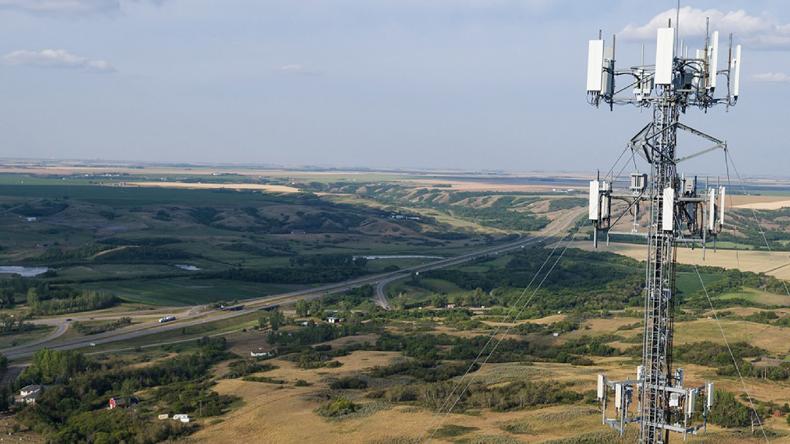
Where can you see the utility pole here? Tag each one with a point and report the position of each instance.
(679, 213)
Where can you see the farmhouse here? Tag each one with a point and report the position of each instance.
(122, 402)
(29, 394)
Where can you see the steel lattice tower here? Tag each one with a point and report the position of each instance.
(679, 213)
(660, 280)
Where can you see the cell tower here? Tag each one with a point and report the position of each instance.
(679, 213)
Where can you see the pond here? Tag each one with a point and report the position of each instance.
(23, 271)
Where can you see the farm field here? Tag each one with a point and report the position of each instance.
(775, 263)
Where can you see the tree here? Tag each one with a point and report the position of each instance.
(32, 298)
(5, 397)
(439, 300)
(302, 308)
(316, 307)
(276, 319)
(53, 366)
(727, 411)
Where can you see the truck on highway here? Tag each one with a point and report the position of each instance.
(168, 318)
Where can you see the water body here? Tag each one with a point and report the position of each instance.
(188, 267)
(23, 271)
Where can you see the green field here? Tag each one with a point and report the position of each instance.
(185, 291)
(12, 340)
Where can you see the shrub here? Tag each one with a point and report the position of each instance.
(337, 407)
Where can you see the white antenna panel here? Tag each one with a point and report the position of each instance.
(736, 87)
(594, 65)
(618, 396)
(601, 385)
(690, 401)
(711, 209)
(665, 53)
(594, 205)
(668, 220)
(709, 395)
(714, 60)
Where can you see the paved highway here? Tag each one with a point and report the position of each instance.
(202, 314)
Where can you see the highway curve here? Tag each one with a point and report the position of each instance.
(201, 314)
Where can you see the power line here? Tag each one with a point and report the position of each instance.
(729, 349)
(507, 331)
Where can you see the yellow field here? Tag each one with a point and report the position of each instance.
(775, 263)
(215, 186)
(276, 414)
(759, 202)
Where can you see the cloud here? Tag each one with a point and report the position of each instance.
(772, 77)
(298, 69)
(753, 31)
(56, 58)
(69, 7)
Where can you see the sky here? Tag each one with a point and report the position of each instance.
(450, 84)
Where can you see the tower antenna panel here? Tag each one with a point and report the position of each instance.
(595, 66)
(714, 60)
(736, 84)
(665, 49)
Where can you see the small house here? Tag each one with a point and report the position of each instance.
(264, 354)
(122, 402)
(29, 394)
(334, 320)
(183, 417)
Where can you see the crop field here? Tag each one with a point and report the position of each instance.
(775, 263)
(185, 291)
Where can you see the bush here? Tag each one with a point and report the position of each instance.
(337, 407)
(88, 329)
(728, 412)
(349, 382)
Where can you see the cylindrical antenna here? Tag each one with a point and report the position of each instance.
(614, 41)
(643, 54)
(707, 45)
(600, 34)
(677, 26)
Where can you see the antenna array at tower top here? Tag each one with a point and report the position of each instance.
(694, 78)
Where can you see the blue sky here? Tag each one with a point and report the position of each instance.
(467, 84)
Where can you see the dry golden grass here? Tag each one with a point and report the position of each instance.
(482, 185)
(215, 186)
(773, 263)
(759, 202)
(287, 415)
(772, 338)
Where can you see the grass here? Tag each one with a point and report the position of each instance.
(186, 333)
(14, 339)
(758, 297)
(185, 291)
(772, 338)
(688, 282)
(452, 430)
